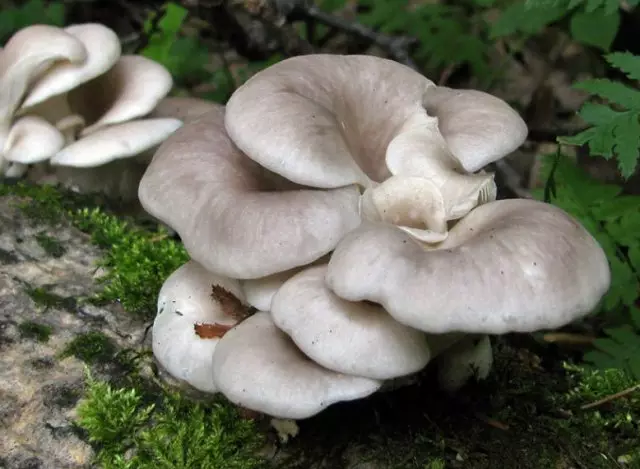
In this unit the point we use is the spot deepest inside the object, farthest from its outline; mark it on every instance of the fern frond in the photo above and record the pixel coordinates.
(626, 62)
(591, 22)
(614, 220)
(615, 128)
(446, 34)
(590, 5)
(620, 348)
(611, 217)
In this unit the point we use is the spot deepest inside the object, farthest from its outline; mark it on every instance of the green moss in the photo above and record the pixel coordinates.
(526, 416)
(173, 432)
(92, 348)
(608, 400)
(45, 298)
(137, 260)
(34, 330)
(520, 418)
(50, 245)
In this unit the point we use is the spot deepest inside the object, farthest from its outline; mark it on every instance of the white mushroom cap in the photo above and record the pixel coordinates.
(115, 142)
(419, 207)
(478, 127)
(27, 53)
(31, 140)
(256, 366)
(259, 291)
(339, 117)
(419, 156)
(332, 116)
(508, 266)
(233, 216)
(130, 89)
(103, 49)
(354, 338)
(331, 120)
(185, 108)
(184, 301)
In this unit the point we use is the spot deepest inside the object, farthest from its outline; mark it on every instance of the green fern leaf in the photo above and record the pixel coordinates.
(528, 18)
(614, 131)
(443, 31)
(613, 91)
(625, 62)
(29, 13)
(612, 218)
(620, 349)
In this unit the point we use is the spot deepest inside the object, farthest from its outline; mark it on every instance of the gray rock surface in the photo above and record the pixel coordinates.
(39, 389)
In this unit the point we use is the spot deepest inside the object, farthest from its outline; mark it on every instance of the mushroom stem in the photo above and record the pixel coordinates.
(469, 358)
(70, 127)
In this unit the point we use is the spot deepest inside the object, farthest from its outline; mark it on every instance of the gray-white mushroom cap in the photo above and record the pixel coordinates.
(114, 142)
(327, 121)
(129, 90)
(508, 266)
(233, 216)
(479, 128)
(27, 54)
(31, 139)
(260, 291)
(257, 366)
(103, 49)
(185, 301)
(354, 338)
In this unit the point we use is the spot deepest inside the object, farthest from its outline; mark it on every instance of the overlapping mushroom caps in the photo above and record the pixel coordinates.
(523, 266)
(70, 99)
(373, 122)
(234, 217)
(339, 191)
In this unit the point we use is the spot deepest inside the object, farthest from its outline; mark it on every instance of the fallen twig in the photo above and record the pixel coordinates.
(492, 422)
(568, 338)
(611, 397)
(396, 46)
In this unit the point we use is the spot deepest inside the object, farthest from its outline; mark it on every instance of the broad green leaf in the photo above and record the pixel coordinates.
(609, 6)
(595, 27)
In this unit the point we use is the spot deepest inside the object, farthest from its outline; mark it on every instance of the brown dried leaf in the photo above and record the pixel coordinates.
(210, 330)
(229, 303)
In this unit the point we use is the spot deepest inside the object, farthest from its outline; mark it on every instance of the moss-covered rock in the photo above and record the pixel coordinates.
(96, 293)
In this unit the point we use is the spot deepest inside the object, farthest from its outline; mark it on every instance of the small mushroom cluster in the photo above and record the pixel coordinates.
(70, 101)
(343, 236)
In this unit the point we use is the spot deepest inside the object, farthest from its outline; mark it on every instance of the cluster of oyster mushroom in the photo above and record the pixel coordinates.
(343, 236)
(73, 108)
